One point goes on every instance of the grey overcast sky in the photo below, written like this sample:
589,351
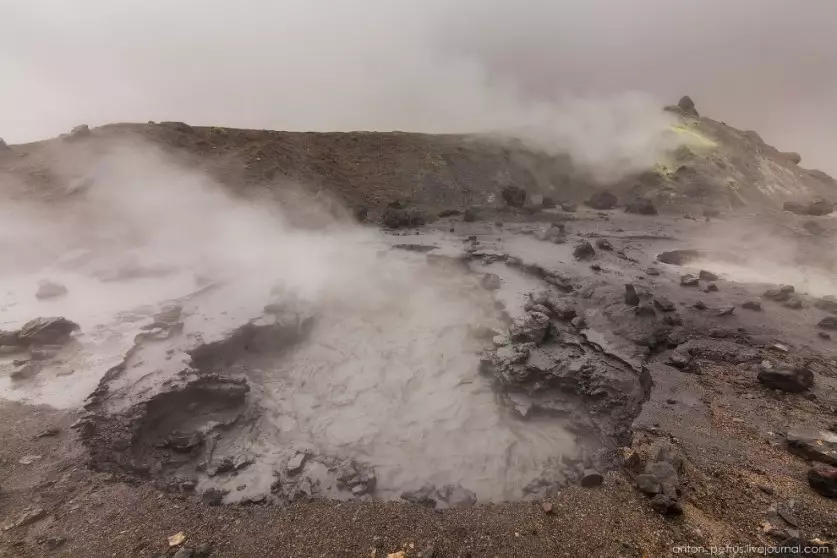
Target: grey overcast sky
430,65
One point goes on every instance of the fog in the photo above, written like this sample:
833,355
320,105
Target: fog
435,66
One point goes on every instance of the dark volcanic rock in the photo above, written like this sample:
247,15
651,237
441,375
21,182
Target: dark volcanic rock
456,497
399,217
602,200
631,296
548,203
752,305
820,207
781,294
423,496
827,303
532,328
823,479
689,280
604,244
471,214
591,478
816,445
569,207
707,275
687,106
641,206
664,304
829,322
514,196
665,505
584,250
793,302
786,378
649,484
679,257
46,331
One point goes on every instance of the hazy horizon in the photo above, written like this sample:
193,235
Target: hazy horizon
767,65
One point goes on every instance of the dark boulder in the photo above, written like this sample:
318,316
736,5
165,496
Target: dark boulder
827,303
754,305
689,280
794,379
820,208
491,282
781,294
548,203
707,275
49,289
631,296
816,445
641,206
823,479
46,331
604,244
687,106
514,196
602,200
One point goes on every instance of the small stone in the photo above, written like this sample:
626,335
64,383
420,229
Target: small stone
631,296
822,479
296,463
786,378
604,244
665,505
688,280
766,489
678,360
184,552
707,275
648,484
653,271
824,334
423,496
829,322
699,305
816,445
711,288
546,507
793,302
664,304
726,310
754,305
213,496
591,478
584,251
780,294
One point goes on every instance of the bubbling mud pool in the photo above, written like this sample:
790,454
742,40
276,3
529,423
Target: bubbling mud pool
387,376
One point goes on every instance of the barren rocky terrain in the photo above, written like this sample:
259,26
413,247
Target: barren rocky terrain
223,342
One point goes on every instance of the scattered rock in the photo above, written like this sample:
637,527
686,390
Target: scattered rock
213,496
699,305
820,208
296,464
641,206
665,505
602,200
687,106
827,303
514,196
591,478
786,378
491,282
678,360
423,496
816,445
726,310
604,244
48,289
569,207
754,305
793,302
46,331
584,251
829,322
631,296
548,203
822,479
399,217
781,294
649,484
664,304
766,489
457,497
531,328
26,517
711,288
653,271
707,275
689,280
